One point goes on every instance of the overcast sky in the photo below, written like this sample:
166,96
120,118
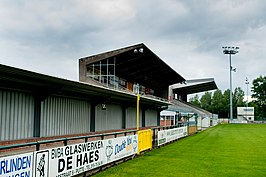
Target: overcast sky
49,36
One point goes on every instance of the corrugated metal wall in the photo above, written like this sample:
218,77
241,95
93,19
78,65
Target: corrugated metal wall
60,116
109,119
131,117
150,117
16,115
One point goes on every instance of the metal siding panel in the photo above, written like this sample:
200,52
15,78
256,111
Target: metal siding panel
69,118
46,117
100,118
61,116
78,117
140,117
68,122
17,113
7,116
27,101
109,119
43,116
97,119
28,113
20,125
4,112
131,117
49,115
150,117
14,118
114,117
63,112
86,116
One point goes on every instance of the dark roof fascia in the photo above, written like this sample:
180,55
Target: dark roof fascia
105,55
202,86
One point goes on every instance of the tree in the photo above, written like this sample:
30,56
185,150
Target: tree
259,93
238,97
256,109
206,101
226,103
195,100
217,102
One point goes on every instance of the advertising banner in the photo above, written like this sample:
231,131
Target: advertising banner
77,158
166,136
173,134
161,137
17,165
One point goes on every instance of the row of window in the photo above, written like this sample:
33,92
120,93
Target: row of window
104,72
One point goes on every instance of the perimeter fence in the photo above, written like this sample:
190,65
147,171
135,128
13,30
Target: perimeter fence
84,155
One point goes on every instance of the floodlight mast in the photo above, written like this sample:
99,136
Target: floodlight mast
231,51
247,82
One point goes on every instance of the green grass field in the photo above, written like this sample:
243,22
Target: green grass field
225,150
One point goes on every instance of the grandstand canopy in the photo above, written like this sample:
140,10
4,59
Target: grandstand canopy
194,86
138,64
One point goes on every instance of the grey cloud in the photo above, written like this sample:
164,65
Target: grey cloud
186,34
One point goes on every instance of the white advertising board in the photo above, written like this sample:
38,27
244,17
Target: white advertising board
161,137
165,136
68,160
17,165
77,158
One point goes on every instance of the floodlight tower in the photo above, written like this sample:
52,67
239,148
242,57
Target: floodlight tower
247,82
231,51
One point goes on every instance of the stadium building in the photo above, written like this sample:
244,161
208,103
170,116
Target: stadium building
60,127
34,105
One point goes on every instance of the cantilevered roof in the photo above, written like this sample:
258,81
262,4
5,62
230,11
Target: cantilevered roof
194,86
139,64
42,86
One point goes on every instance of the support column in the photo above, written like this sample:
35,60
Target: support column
143,117
92,121
124,108
37,116
158,117
176,118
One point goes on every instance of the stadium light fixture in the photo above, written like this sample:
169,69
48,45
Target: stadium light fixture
231,51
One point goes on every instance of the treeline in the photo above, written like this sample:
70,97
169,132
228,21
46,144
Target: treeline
218,102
